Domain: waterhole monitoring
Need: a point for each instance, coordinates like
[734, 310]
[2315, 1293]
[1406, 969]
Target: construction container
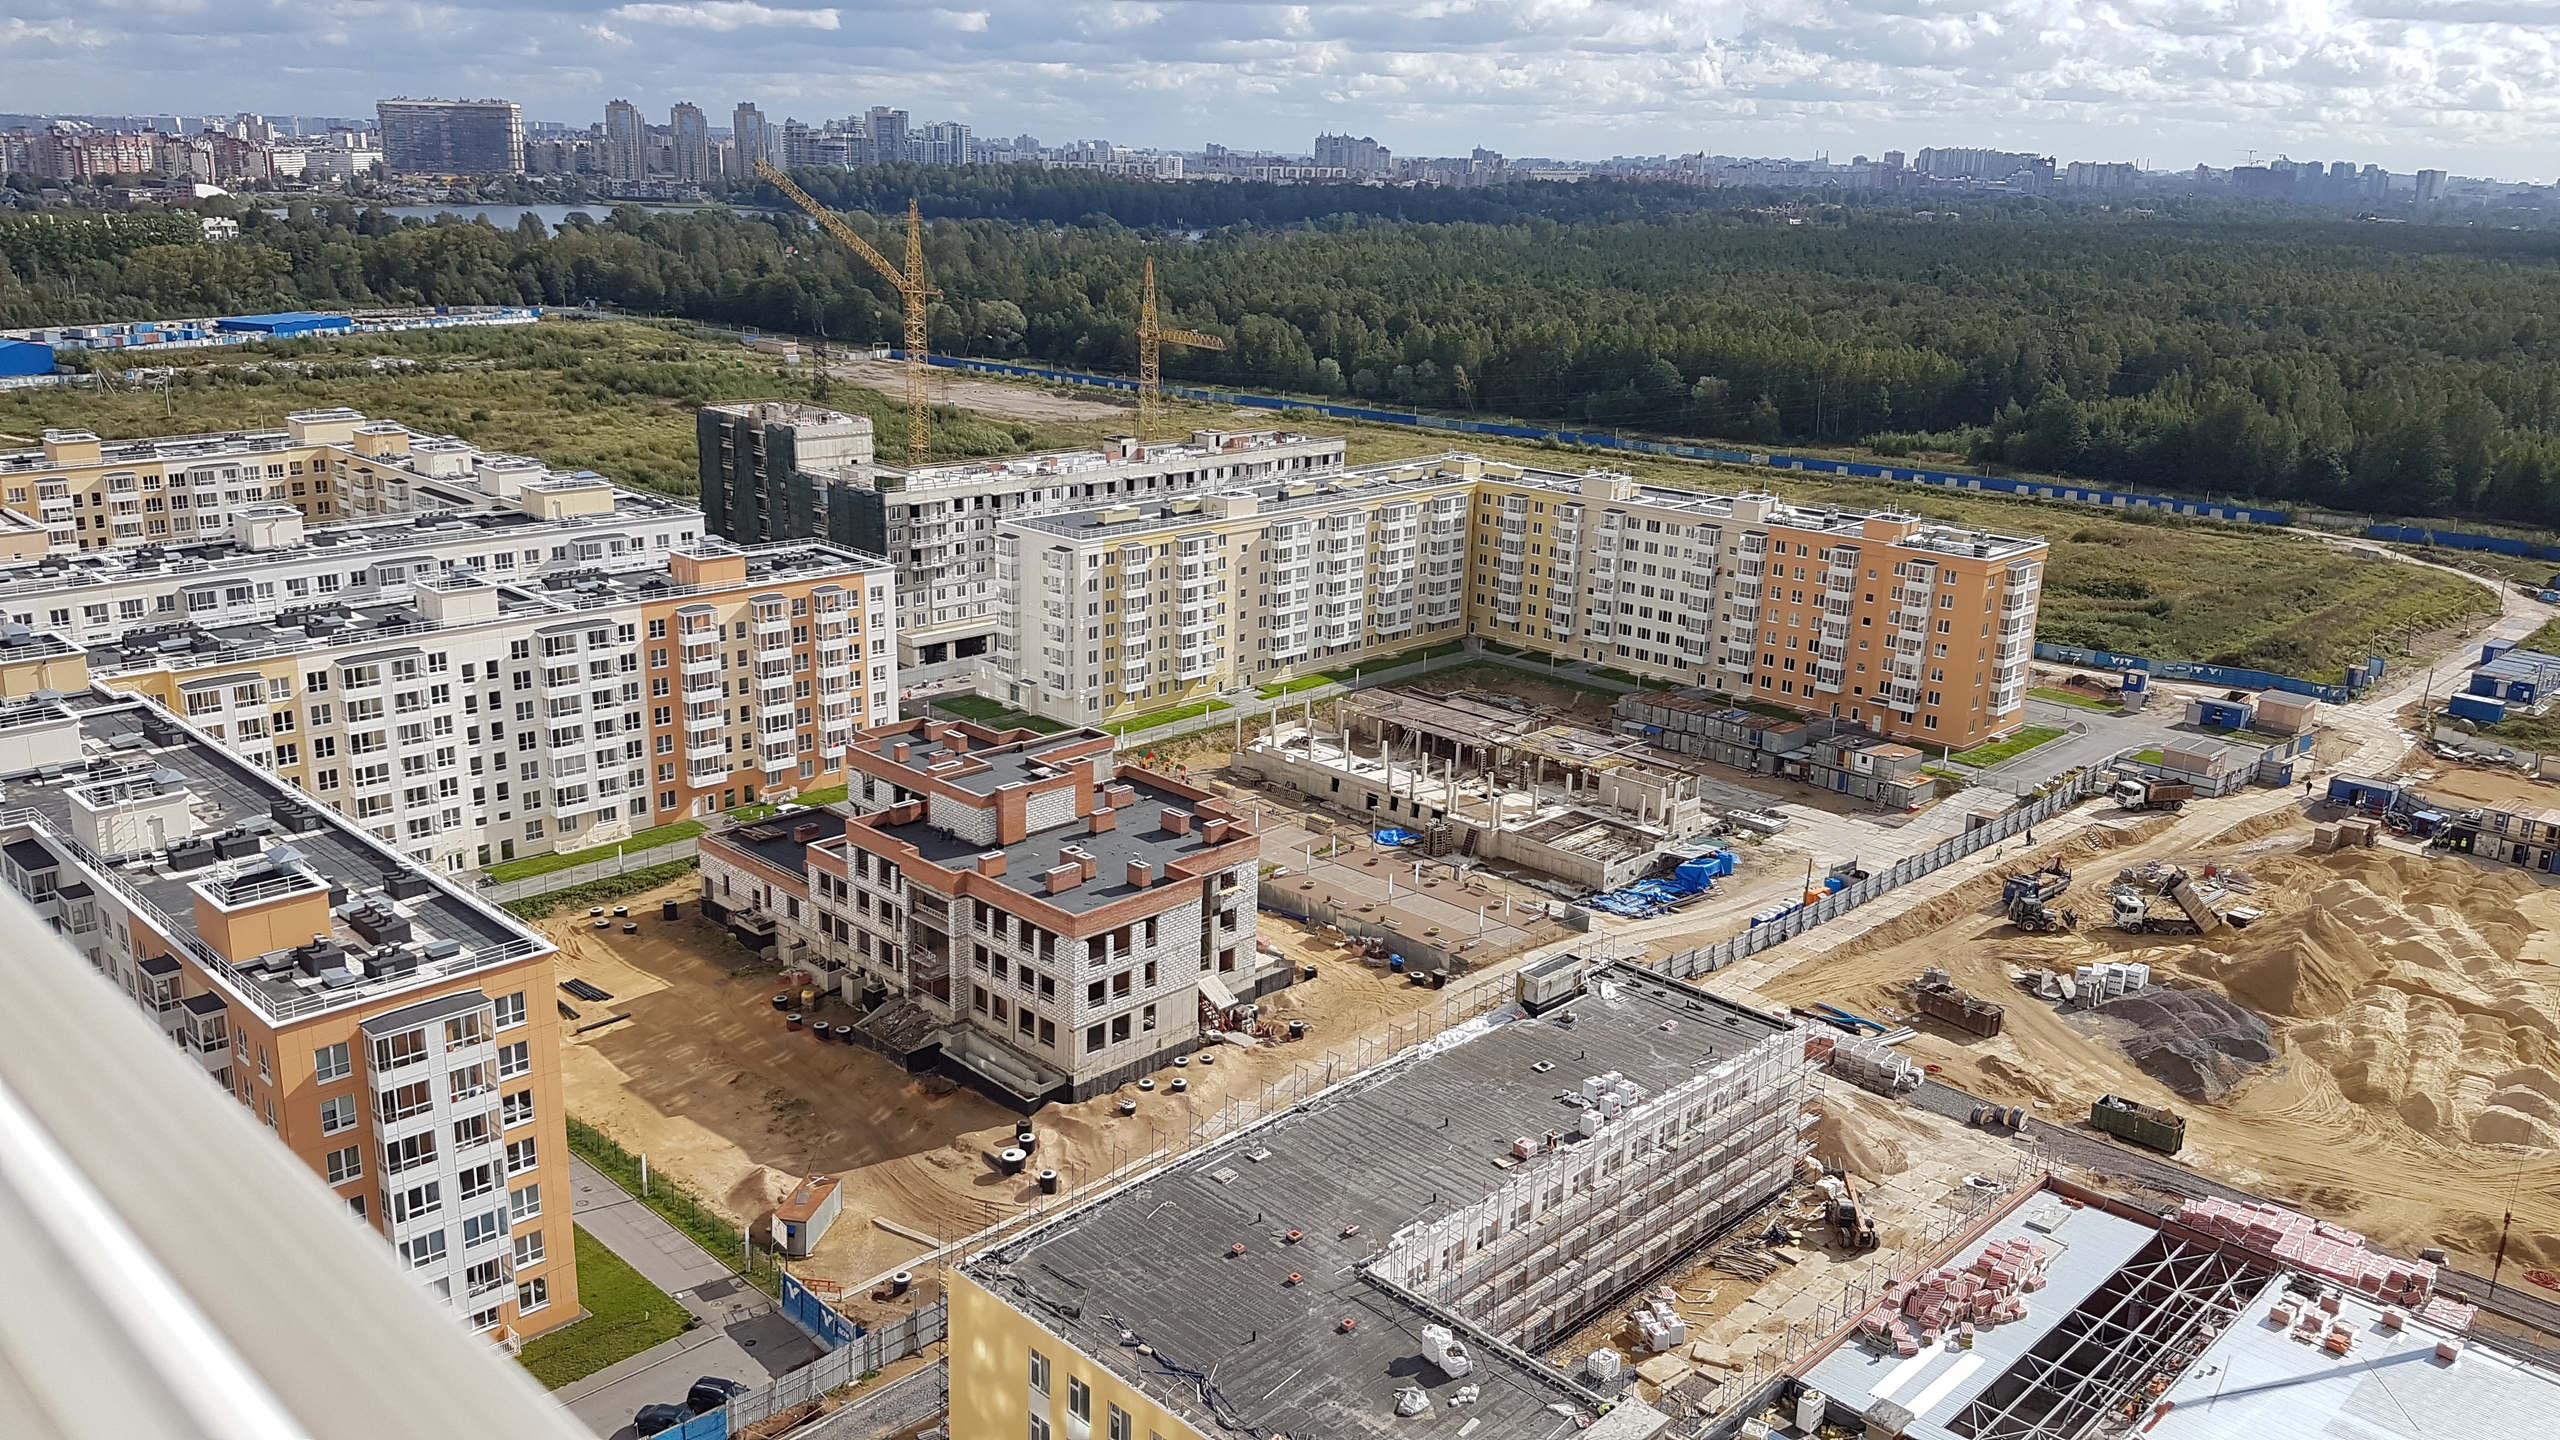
[800, 1220]
[1551, 982]
[2146, 1125]
[1935, 996]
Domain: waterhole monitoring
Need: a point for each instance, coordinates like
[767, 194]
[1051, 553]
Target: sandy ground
[2414, 999]
[707, 1081]
[987, 397]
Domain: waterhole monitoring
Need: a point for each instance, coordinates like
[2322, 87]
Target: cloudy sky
[2472, 86]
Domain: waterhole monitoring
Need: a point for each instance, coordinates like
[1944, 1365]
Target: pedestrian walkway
[741, 1336]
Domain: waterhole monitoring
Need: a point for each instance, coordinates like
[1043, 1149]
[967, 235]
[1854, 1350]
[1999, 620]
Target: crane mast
[1151, 337]
[908, 280]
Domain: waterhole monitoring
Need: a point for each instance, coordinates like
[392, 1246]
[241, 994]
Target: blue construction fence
[2463, 540]
[2222, 675]
[802, 1305]
[1609, 440]
[709, 1425]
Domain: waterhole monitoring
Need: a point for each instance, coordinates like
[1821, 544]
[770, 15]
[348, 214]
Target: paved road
[742, 1336]
[2098, 736]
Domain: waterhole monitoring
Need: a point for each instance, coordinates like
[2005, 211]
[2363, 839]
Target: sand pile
[2408, 980]
[2196, 1042]
[1850, 1140]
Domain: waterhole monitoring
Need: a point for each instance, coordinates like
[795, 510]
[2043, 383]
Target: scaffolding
[2151, 1319]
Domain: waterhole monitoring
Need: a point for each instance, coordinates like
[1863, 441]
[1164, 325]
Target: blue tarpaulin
[1393, 836]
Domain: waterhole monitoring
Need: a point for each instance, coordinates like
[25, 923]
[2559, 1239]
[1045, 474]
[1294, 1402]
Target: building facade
[939, 524]
[626, 142]
[452, 137]
[782, 470]
[690, 134]
[1020, 906]
[397, 1035]
[1123, 609]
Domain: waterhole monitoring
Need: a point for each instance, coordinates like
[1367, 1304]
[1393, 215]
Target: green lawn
[2082, 698]
[544, 864]
[625, 1315]
[1998, 750]
[1130, 725]
[601, 892]
[2150, 757]
[1291, 687]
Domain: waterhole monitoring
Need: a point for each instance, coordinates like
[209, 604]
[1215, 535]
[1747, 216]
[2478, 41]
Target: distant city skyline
[2469, 90]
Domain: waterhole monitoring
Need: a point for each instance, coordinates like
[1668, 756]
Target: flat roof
[449, 934]
[1237, 1348]
[1137, 834]
[2256, 1380]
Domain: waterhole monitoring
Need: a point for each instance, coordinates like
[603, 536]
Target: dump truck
[2150, 1126]
[2139, 794]
[1938, 997]
[2173, 906]
[2043, 883]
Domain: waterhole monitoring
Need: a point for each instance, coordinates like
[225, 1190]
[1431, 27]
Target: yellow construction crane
[911, 288]
[1150, 337]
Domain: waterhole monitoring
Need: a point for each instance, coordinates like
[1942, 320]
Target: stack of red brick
[2316, 1246]
[1990, 1291]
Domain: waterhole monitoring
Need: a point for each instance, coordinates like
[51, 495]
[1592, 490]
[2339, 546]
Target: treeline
[2271, 354]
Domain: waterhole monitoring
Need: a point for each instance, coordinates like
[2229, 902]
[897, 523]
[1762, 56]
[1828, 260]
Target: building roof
[264, 823]
[1235, 1346]
[1137, 834]
[2257, 1380]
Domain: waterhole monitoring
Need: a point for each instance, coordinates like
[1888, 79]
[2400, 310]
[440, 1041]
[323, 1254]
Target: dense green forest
[2280, 354]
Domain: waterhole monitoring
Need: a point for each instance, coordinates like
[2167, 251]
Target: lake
[506, 217]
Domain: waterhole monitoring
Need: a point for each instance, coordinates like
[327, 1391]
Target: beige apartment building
[1911, 628]
[395, 1033]
[1022, 907]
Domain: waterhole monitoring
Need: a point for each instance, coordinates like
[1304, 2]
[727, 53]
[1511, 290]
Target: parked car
[710, 1393]
[653, 1419]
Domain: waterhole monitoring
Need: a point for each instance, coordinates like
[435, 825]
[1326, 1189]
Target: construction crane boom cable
[908, 280]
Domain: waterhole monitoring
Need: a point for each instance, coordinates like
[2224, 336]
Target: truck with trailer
[2150, 1126]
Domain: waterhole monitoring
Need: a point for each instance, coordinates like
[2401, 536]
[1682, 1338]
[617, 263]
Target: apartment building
[469, 719]
[782, 470]
[395, 1033]
[452, 137]
[330, 468]
[939, 523]
[1018, 908]
[1122, 609]
[1398, 1254]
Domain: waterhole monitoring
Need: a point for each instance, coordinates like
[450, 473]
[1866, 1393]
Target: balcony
[772, 625]
[697, 752]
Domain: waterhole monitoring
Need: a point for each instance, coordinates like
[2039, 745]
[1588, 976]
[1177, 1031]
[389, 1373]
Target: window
[476, 1181]
[346, 1165]
[402, 1101]
[329, 1062]
[514, 1060]
[481, 1229]
[337, 1113]
[416, 1201]
[1119, 1423]
[525, 1204]
[518, 1108]
[410, 1153]
[1039, 1372]
[1079, 1400]
[533, 1294]
[520, 1156]
[510, 1010]
[1039, 1428]
[393, 1051]
[425, 1250]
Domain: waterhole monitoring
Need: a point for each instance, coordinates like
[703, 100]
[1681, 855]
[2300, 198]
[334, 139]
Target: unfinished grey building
[1423, 1225]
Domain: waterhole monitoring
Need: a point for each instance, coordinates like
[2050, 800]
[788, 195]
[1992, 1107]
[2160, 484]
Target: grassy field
[648, 839]
[618, 397]
[625, 1315]
[2081, 698]
[2027, 738]
[674, 1203]
[614, 397]
[995, 714]
[1130, 725]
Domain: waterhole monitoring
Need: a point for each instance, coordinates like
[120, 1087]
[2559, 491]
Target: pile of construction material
[2195, 1041]
[1659, 1322]
[1991, 1291]
[2345, 835]
[1870, 1064]
[2332, 1252]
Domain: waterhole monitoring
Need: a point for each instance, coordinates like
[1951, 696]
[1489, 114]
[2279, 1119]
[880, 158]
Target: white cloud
[2463, 84]
[725, 15]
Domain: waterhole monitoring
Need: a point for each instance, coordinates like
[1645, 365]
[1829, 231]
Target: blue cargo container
[2476, 707]
[285, 324]
[25, 357]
